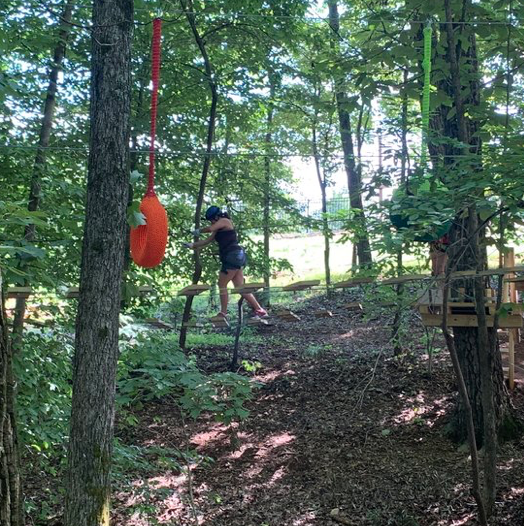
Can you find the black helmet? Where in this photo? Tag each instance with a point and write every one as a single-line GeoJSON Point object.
{"type": "Point", "coordinates": [212, 212]}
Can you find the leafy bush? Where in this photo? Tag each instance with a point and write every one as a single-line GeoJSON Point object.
{"type": "Point", "coordinates": [152, 366]}
{"type": "Point", "coordinates": [43, 373]}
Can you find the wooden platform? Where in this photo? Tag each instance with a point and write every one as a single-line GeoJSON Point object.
{"type": "Point", "coordinates": [257, 322]}
{"type": "Point", "coordinates": [19, 292]}
{"type": "Point", "coordinates": [470, 320]}
{"type": "Point", "coordinates": [193, 290]}
{"type": "Point", "coordinates": [301, 285]}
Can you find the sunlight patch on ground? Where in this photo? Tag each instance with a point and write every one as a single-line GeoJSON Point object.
{"type": "Point", "coordinates": [306, 520]}
{"type": "Point", "coordinates": [215, 433]}
{"type": "Point", "coordinates": [461, 522]}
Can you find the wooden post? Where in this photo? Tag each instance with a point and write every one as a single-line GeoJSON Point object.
{"type": "Point", "coordinates": [511, 359]}
{"type": "Point", "coordinates": [510, 294]}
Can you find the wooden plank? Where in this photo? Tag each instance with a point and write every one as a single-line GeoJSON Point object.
{"type": "Point", "coordinates": [159, 324]}
{"type": "Point", "coordinates": [247, 288]}
{"type": "Point", "coordinates": [470, 320]}
{"type": "Point", "coordinates": [19, 292]}
{"type": "Point", "coordinates": [193, 290]}
{"type": "Point", "coordinates": [287, 315]}
{"type": "Point", "coordinates": [257, 321]}
{"type": "Point", "coordinates": [354, 305]}
{"type": "Point", "coordinates": [301, 285]}
{"type": "Point", "coordinates": [219, 321]}
{"type": "Point", "coordinates": [354, 282]}
{"type": "Point", "coordinates": [323, 314]}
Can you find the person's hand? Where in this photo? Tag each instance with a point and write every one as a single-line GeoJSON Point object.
{"type": "Point", "coordinates": [196, 232]}
{"type": "Point", "coordinates": [187, 245]}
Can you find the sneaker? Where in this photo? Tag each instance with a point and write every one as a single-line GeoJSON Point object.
{"type": "Point", "coordinates": [260, 313]}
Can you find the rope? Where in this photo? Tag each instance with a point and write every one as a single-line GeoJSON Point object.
{"type": "Point", "coordinates": [155, 77]}
{"type": "Point", "coordinates": [426, 65]}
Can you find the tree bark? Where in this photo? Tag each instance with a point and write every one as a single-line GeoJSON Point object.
{"type": "Point", "coordinates": [10, 480]}
{"type": "Point", "coordinates": [346, 135]}
{"type": "Point", "coordinates": [322, 184]}
{"type": "Point", "coordinates": [189, 10]}
{"type": "Point", "coordinates": [267, 193]}
{"type": "Point", "coordinates": [96, 340]}
{"type": "Point", "coordinates": [41, 153]}
{"type": "Point", "coordinates": [463, 129]}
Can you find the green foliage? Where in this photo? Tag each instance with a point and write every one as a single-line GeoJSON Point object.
{"type": "Point", "coordinates": [153, 367]}
{"type": "Point", "coordinates": [43, 371]}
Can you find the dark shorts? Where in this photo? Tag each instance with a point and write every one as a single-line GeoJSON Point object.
{"type": "Point", "coordinates": [234, 260]}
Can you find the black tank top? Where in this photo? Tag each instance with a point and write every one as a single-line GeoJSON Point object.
{"type": "Point", "coordinates": [227, 241]}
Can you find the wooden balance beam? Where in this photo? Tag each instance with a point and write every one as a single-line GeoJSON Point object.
{"type": "Point", "coordinates": [301, 285]}
{"type": "Point", "coordinates": [248, 288]}
{"type": "Point", "coordinates": [287, 315]}
{"type": "Point", "coordinates": [193, 290]}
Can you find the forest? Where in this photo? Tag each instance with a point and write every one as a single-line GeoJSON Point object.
{"type": "Point", "coordinates": [261, 263]}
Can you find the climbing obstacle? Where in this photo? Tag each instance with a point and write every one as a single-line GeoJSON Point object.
{"type": "Point", "coordinates": [287, 315]}
{"type": "Point", "coordinates": [301, 285]}
{"type": "Point", "coordinates": [248, 288]}
{"type": "Point", "coordinates": [193, 290]}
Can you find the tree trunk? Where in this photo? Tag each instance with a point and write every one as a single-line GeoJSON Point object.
{"type": "Point", "coordinates": [10, 482]}
{"type": "Point", "coordinates": [97, 324]}
{"type": "Point", "coordinates": [40, 157]}
{"type": "Point", "coordinates": [267, 193]}
{"type": "Point", "coordinates": [464, 129]}
{"type": "Point", "coordinates": [325, 225]}
{"type": "Point", "coordinates": [346, 135]}
{"type": "Point", "coordinates": [189, 10]}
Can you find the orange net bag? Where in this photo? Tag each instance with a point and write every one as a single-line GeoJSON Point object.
{"type": "Point", "coordinates": [148, 242]}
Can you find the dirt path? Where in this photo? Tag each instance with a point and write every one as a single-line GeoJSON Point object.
{"type": "Point", "coordinates": [338, 427]}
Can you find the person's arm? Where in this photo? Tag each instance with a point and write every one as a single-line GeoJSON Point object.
{"type": "Point", "coordinates": [219, 225]}
{"type": "Point", "coordinates": [202, 242]}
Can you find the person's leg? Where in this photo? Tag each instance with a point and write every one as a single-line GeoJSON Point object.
{"type": "Point", "coordinates": [238, 281]}
{"type": "Point", "coordinates": [223, 280]}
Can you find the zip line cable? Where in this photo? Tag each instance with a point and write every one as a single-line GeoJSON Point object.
{"type": "Point", "coordinates": [188, 153]}
{"type": "Point", "coordinates": [304, 18]}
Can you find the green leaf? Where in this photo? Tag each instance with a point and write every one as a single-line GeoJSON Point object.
{"type": "Point", "coordinates": [135, 217]}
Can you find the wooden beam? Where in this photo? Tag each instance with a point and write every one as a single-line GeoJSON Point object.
{"type": "Point", "coordinates": [287, 315]}
{"type": "Point", "coordinates": [19, 292]}
{"type": "Point", "coordinates": [257, 321]}
{"type": "Point", "coordinates": [301, 285]}
{"type": "Point", "coordinates": [248, 288]}
{"type": "Point", "coordinates": [470, 320]}
{"type": "Point", "coordinates": [219, 321]}
{"type": "Point", "coordinates": [354, 305]}
{"type": "Point", "coordinates": [193, 290]}
{"type": "Point", "coordinates": [323, 313]}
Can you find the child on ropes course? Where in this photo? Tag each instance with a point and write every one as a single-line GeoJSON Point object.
{"type": "Point", "coordinates": [232, 257]}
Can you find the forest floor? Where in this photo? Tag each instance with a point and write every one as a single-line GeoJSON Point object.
{"type": "Point", "coordinates": [340, 432]}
